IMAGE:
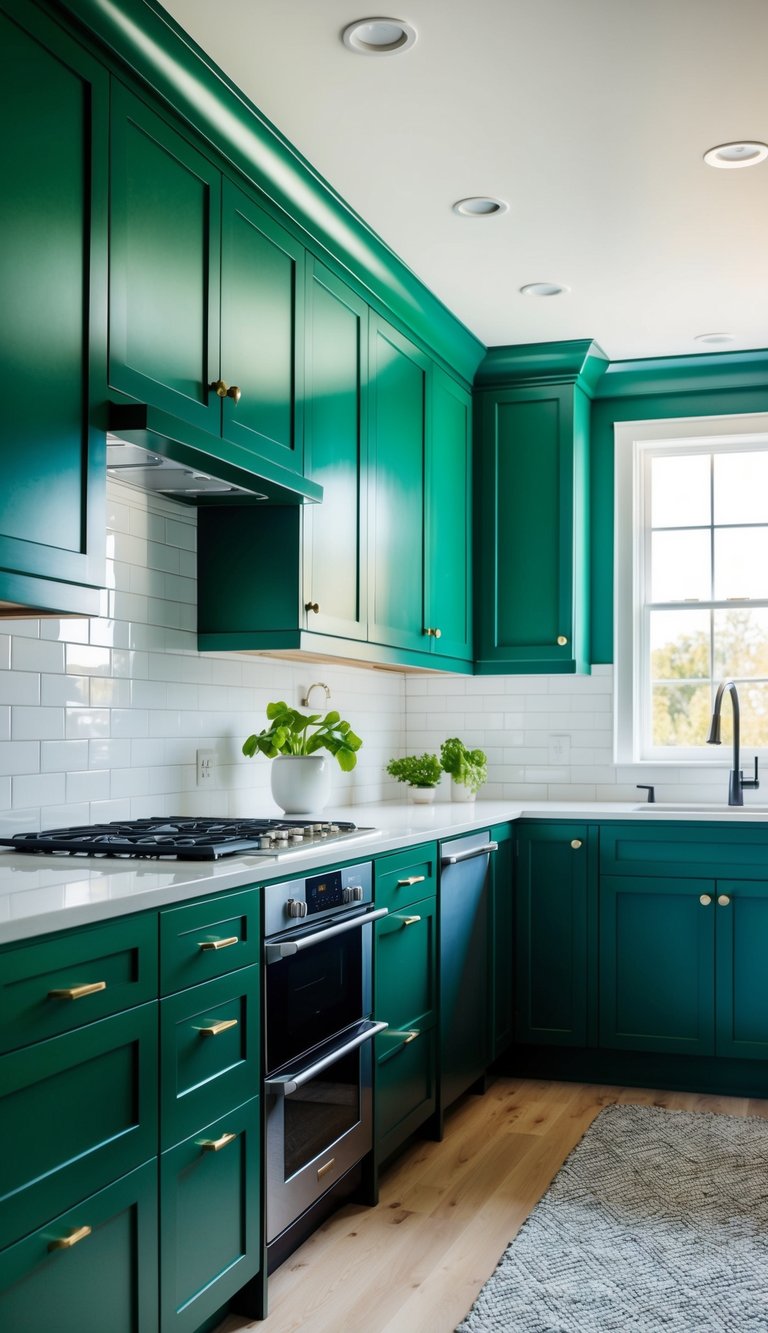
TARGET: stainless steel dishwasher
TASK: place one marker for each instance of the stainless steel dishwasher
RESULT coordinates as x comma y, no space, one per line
464,916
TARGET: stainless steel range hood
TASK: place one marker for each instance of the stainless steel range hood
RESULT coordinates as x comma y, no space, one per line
144,448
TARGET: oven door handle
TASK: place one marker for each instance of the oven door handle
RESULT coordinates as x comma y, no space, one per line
454,859
289,1083
287,948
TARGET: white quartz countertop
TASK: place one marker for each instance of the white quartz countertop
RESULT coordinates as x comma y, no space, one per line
40,894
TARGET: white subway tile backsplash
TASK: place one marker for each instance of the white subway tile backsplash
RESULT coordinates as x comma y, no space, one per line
21,687
63,756
37,655
37,724
38,789
58,691
83,723
93,785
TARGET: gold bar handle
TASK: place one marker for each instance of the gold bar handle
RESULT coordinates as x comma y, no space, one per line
410,920
205,945
77,992
214,1029
411,1036
74,1237
216,1145
410,881
323,1170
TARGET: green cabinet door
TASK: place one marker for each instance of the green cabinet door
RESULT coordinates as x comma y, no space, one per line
448,518
553,915
165,218
210,1205
53,162
262,327
334,532
657,964
396,490
103,1279
501,942
741,916
531,553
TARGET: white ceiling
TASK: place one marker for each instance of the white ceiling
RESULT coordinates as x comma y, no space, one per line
589,117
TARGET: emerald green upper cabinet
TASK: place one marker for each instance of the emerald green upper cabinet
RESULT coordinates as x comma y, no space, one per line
396,495
531,556
53,159
448,519
206,294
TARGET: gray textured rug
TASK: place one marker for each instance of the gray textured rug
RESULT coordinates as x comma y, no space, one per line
658,1220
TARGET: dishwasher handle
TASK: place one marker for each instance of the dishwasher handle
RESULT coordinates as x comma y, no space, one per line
287,948
286,1084
455,857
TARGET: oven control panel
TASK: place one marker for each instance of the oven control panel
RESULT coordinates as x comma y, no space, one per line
293,901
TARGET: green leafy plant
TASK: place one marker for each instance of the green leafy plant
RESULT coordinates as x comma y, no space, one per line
418,770
292,732
467,767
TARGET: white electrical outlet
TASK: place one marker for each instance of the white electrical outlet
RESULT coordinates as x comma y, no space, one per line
206,767
559,748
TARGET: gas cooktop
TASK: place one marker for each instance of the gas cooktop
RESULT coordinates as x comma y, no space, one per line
186,839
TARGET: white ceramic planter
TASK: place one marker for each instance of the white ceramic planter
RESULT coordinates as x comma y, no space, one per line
459,792
421,795
301,783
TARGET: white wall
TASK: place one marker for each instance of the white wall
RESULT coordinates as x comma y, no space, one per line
101,719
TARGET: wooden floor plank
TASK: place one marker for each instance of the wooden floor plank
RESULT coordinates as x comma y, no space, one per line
447,1211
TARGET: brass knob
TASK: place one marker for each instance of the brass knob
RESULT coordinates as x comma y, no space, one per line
312,606
705,899
219,387
433,633
561,641
723,899
234,393
575,843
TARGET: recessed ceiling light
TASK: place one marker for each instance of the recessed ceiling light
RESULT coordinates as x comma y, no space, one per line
480,206
746,153
378,36
715,339
543,289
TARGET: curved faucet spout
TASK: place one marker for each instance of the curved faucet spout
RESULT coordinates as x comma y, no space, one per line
736,780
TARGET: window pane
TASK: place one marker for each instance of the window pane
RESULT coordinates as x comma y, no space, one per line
741,563
680,566
680,491
680,645
680,714
753,698
741,643
741,487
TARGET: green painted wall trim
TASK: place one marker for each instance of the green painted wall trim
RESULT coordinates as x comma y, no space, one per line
684,374
580,361
145,38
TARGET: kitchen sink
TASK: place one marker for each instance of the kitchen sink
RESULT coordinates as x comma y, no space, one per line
699,808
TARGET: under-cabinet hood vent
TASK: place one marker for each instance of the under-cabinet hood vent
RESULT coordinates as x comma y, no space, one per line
156,452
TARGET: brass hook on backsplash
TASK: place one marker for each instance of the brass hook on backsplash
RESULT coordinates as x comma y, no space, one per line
318,685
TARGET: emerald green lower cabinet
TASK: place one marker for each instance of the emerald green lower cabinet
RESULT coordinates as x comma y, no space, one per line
405,1086
501,962
657,980
554,923
93,1269
210,1204
741,944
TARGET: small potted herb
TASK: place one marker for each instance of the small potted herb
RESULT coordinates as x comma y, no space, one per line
421,772
301,776
468,768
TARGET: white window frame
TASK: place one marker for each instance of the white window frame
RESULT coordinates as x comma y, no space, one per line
633,442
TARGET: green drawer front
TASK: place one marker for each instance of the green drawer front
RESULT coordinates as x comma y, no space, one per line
405,877
695,850
406,955
77,1112
405,1086
105,1283
120,957
209,1218
208,939
203,1074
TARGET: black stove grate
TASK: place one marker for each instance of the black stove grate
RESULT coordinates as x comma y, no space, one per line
185,839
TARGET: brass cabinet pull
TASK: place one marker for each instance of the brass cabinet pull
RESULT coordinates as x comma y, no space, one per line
410,881
74,1238
204,945
312,606
433,633
235,393
411,1036
214,1029
561,641
576,843
723,899
77,992
219,387
323,1170
705,899
216,1145
410,920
